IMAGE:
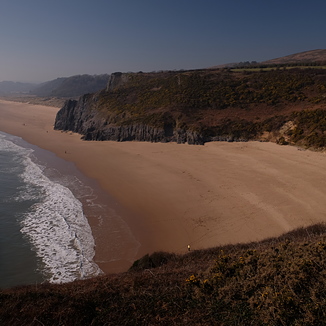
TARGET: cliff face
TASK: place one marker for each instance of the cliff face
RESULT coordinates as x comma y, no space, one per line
82,117
116,79
195,107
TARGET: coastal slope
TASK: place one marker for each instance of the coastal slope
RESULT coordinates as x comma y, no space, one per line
280,281
195,107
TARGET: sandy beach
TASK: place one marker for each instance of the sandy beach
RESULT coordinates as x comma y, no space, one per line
179,195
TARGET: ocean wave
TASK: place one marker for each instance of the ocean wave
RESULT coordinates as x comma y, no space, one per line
55,225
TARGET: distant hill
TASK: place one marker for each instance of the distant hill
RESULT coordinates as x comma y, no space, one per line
46,88
64,87
225,65
73,86
9,87
302,57
313,56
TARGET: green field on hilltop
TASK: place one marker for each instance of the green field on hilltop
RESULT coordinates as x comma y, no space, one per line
255,69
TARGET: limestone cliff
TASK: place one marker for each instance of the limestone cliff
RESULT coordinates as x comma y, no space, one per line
195,107
82,117
116,79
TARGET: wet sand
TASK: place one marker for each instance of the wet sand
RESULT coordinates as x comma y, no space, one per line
180,195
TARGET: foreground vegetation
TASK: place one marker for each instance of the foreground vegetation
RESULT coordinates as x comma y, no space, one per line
280,281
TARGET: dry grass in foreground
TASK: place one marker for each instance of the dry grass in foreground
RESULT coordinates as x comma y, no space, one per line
279,281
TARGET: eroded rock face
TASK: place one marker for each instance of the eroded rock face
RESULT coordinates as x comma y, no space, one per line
116,79
66,117
82,117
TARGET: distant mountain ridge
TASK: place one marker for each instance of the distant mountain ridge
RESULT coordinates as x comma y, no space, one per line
73,86
318,55
312,56
64,87
9,87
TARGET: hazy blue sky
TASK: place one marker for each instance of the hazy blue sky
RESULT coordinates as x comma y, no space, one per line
41,40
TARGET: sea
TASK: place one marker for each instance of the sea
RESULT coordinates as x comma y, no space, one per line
44,233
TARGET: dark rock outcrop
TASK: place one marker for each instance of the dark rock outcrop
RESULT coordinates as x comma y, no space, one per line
116,79
82,117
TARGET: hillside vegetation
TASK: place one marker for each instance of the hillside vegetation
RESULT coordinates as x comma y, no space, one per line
306,57
279,281
282,105
71,87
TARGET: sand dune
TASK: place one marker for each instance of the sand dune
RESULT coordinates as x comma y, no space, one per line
181,194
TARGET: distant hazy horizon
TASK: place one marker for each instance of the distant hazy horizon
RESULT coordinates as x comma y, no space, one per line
42,41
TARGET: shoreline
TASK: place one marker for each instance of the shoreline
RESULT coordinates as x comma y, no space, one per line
104,222
101,211
177,195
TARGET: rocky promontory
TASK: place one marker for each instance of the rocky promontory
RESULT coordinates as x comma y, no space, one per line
194,107
80,117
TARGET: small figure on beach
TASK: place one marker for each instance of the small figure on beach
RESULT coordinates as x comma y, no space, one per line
188,247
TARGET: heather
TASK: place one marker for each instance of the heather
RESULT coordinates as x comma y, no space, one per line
278,281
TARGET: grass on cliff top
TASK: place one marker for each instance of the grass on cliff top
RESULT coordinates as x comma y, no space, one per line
271,68
280,281
203,100
186,92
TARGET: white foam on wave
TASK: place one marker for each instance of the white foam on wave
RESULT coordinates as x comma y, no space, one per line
56,225
8,146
